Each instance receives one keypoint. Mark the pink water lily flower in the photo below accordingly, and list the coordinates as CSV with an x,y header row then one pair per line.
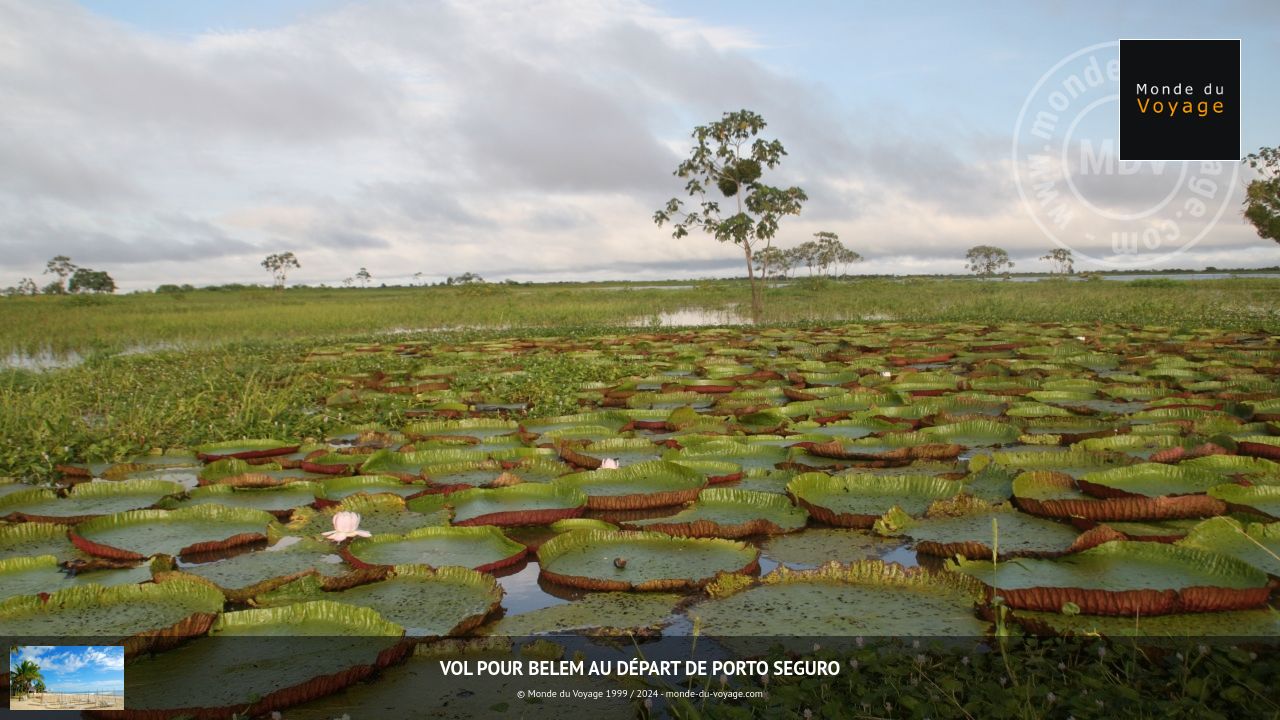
x,y
346,525
609,464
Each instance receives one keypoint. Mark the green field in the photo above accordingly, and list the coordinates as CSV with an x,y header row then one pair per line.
x,y
87,323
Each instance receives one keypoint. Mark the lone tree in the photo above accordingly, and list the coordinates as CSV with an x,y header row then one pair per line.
x,y
364,277
61,266
729,157
279,265
1060,260
1262,196
827,251
95,281
772,258
987,260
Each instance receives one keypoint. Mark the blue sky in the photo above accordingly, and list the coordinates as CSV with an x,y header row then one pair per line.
x,y
76,668
183,141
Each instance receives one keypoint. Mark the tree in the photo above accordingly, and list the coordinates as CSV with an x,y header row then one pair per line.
x,y
467,278
279,265
771,258
61,266
23,676
417,276
94,281
1060,260
347,281
987,260
364,277
1262,196
730,157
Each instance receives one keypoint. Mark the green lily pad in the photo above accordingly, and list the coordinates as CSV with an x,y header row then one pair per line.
x,y
1149,480
482,548
1125,578
138,534
425,601
380,514
974,433
244,575
636,487
729,513
972,532
1264,499
116,612
30,539
603,560
332,645
857,500
819,546
338,488
605,613
1252,624
88,499
31,575
523,504
273,499
1255,543
868,598
244,449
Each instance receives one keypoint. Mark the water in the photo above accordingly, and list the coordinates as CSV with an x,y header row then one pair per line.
x,y
692,317
46,359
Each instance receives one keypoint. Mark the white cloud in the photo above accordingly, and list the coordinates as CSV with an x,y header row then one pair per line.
x,y
530,141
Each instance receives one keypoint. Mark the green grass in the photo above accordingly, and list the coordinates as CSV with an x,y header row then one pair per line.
x,y
59,325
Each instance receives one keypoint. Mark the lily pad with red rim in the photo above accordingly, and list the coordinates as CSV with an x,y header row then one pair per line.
x,y
636,487
138,534
483,548
857,500
244,449
648,561
521,504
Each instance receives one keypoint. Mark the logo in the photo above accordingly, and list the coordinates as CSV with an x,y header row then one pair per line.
x,y
1117,213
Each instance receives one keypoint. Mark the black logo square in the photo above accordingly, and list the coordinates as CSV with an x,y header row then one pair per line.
x,y
1180,100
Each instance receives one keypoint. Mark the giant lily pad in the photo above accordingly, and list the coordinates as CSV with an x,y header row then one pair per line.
x,y
1055,494
1255,543
523,504
1148,480
1263,499
425,601
138,534
972,529
340,487
482,548
143,617
857,500
1252,624
605,614
636,487
379,514
41,574
331,646
729,513
279,500
86,500
244,575
244,449
864,598
1125,578
618,560
30,539
819,546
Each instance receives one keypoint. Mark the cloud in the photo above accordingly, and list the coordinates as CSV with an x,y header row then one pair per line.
x,y
509,139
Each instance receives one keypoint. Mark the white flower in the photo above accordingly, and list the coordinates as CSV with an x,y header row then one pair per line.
x,y
609,464
346,525
885,373
1081,338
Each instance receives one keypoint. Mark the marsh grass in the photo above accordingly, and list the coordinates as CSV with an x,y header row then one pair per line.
x,y
32,325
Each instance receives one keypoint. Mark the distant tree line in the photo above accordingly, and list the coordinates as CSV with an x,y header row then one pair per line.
x,y
69,278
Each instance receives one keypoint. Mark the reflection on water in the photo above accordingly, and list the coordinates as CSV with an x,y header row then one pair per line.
x,y
692,317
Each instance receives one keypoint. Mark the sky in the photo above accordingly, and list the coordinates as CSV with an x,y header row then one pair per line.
x,y
182,142
75,668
